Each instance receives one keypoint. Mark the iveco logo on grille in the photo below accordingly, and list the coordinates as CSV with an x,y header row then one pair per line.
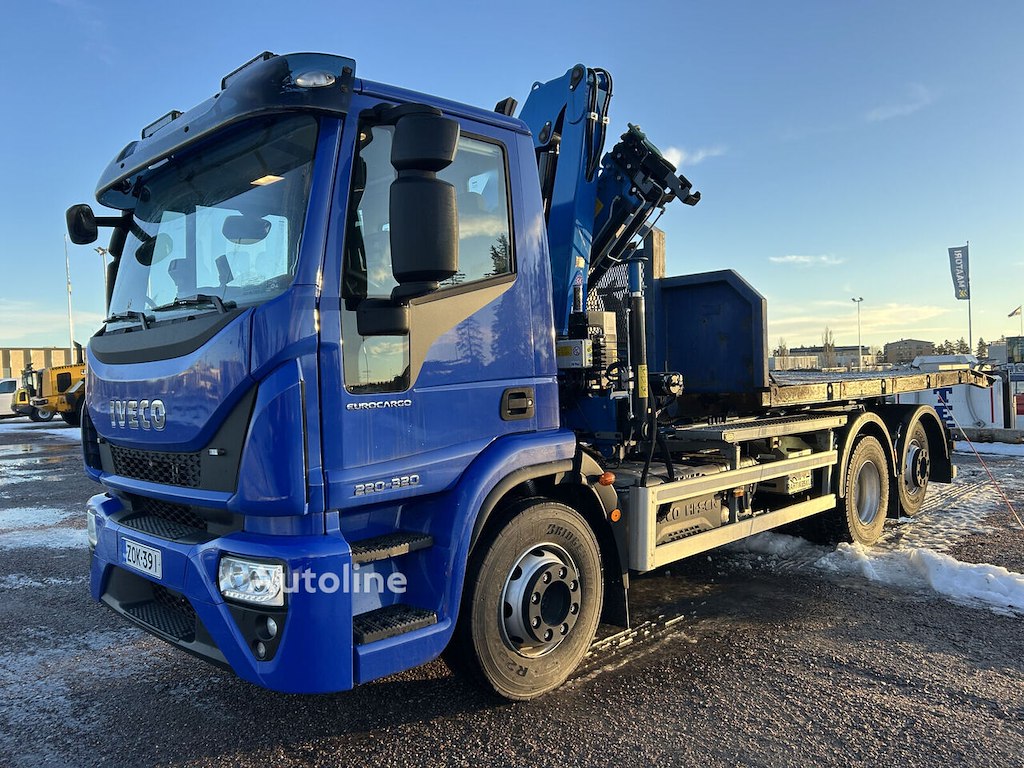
x,y
138,414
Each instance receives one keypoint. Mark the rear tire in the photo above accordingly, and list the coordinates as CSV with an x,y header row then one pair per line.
x,y
74,418
860,516
911,484
532,601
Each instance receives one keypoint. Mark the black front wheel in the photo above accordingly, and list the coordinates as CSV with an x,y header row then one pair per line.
x,y
532,600
41,414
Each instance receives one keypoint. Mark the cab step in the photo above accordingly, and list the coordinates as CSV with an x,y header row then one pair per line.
x,y
389,621
389,545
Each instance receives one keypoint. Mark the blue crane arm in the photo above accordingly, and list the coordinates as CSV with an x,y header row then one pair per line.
x,y
597,209
635,184
568,117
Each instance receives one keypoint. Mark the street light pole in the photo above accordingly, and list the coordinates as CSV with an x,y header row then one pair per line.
x,y
860,356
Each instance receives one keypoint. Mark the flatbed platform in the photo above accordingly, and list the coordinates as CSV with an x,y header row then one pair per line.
x,y
790,388
798,389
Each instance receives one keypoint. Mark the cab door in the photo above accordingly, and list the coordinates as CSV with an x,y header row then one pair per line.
x,y
411,411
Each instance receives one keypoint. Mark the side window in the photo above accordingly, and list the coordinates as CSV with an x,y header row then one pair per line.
x,y
478,175
63,381
7,387
381,363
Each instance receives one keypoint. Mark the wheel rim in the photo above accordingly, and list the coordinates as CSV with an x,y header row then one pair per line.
x,y
541,600
869,492
915,468
45,413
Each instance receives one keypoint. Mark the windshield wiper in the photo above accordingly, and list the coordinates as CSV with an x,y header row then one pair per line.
x,y
199,300
129,314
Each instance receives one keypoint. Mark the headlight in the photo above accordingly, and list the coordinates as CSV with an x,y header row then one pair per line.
x,y
90,520
251,581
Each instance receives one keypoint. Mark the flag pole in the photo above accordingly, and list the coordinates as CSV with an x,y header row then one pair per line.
x,y
71,324
970,334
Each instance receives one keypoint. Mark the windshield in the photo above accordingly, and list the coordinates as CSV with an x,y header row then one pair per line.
x,y
218,228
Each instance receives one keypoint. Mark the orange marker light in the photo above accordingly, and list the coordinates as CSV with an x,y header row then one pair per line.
x,y
616,515
606,479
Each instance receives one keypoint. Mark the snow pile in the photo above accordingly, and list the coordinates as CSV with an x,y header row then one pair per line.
x,y
21,581
28,429
32,517
966,583
773,545
990,449
44,538
25,527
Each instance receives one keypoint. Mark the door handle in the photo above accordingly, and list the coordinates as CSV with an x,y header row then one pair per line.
x,y
518,403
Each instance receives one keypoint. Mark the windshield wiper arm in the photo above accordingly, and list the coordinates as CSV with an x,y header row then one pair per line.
x,y
131,314
199,300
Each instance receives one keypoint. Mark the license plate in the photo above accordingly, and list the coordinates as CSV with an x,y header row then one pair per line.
x,y
141,558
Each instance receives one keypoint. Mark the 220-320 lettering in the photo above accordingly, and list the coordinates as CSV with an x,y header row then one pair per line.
x,y
376,486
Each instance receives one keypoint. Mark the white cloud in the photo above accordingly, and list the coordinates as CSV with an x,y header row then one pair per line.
x,y
918,97
24,324
681,157
879,323
825,260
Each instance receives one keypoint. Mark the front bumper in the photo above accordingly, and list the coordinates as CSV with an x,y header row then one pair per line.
x,y
312,650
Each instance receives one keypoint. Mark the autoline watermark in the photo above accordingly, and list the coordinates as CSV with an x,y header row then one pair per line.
x,y
351,580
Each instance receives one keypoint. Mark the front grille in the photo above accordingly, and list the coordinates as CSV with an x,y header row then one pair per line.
x,y
181,469
176,514
168,612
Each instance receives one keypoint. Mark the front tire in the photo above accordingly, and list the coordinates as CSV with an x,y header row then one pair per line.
x,y
41,414
532,600
860,516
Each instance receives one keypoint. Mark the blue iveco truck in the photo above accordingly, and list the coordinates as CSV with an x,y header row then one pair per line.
x,y
385,375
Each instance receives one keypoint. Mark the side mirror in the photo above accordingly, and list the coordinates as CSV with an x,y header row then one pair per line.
x,y
424,220
82,227
382,317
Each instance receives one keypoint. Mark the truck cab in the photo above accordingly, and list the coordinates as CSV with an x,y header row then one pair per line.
x,y
237,404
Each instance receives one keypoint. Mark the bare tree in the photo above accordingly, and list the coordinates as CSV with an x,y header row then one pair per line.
x,y
828,349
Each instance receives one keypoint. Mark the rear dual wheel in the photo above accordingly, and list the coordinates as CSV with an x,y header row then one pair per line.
x,y
914,466
532,601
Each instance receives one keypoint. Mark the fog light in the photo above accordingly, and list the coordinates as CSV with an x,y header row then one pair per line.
x,y
250,581
261,651
90,519
271,628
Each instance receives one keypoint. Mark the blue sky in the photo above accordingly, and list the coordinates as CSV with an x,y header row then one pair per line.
x,y
841,148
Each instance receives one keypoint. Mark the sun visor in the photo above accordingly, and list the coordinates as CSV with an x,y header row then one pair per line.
x,y
312,82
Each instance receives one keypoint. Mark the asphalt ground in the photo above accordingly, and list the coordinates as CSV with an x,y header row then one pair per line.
x,y
737,659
